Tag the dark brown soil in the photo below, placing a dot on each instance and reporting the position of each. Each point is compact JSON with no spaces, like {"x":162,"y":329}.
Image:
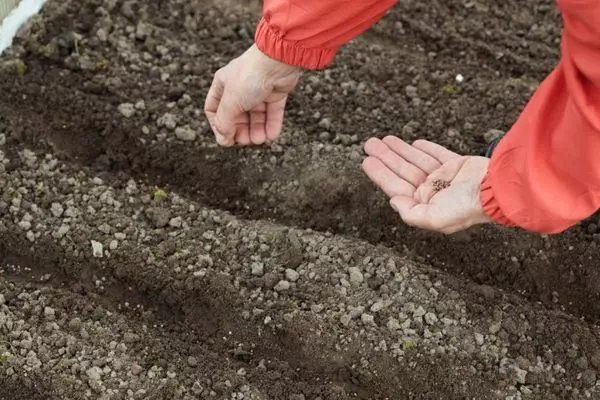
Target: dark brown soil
{"x":66,"y":105}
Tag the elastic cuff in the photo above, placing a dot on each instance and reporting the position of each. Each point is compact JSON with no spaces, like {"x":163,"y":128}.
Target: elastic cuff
{"x":490,"y":205}
{"x":269,"y":41}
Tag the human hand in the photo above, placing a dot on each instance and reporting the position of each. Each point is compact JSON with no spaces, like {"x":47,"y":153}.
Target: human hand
{"x":246,"y":101}
{"x":430,"y":186}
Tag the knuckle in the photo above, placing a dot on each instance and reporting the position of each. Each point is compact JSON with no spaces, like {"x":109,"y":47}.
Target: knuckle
{"x":219,"y":75}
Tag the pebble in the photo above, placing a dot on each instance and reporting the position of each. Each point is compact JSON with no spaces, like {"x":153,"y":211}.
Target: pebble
{"x":57,"y":209}
{"x":94,"y":373}
{"x":176,"y":222}
{"x":357,"y":312}
{"x":104,"y":228}
{"x":136,"y":369}
{"x":97,"y":249}
{"x":258,"y":269}
{"x":411,"y":91}
{"x":291,"y":275}
{"x":325,"y":123}
{"x":393,"y":324}
{"x":127,"y":110}
{"x":479,"y":339}
{"x":377,"y":306}
{"x":356,"y":276}
{"x":431,"y":318}
{"x":158,"y":216}
{"x":367,"y":319}
{"x":186,"y":134}
{"x":49,"y":312}
{"x":317,"y":308}
{"x":25,"y":225}
{"x":101,"y":35}
{"x":419,"y":312}
{"x":75,"y":324}
{"x":325,"y":136}
{"x":345,"y":319}
{"x":62,"y":231}
{"x":192,"y":361}
{"x":168,"y":120}
{"x":495,"y":328}
{"x":520,"y":374}
{"x":282,"y":286}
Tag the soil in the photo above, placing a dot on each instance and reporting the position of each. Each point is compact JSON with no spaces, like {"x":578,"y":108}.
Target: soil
{"x":138,"y":265}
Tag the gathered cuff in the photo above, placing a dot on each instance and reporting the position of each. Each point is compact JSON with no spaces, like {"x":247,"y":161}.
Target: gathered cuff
{"x":269,"y":40}
{"x":490,"y":204}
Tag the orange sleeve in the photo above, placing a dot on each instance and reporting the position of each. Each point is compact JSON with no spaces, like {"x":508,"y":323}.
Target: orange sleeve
{"x":309,"y":33}
{"x":544,"y":176}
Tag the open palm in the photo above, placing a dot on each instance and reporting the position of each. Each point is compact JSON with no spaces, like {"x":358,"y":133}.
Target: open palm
{"x":430,"y":186}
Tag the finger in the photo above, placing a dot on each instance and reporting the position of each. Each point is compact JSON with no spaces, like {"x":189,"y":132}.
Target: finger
{"x":274,"y":124}
{"x":411,"y":212}
{"x":390,"y":183}
{"x":213,"y":99}
{"x":242,"y":136}
{"x":405,"y":170}
{"x":225,"y":120}
{"x":258,"y":119}
{"x":412,"y":154}
{"x":440,"y":178}
{"x":436,"y":151}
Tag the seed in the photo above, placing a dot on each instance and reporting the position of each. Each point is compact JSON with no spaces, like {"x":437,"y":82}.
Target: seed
{"x":440,"y":184}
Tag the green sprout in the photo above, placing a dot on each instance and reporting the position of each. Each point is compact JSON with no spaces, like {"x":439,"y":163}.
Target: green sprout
{"x":408,"y":345}
{"x":451,"y":90}
{"x":159,"y":195}
{"x":20,"y":68}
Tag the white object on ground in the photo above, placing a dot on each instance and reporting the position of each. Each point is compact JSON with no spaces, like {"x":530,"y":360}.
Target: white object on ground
{"x":460,"y":78}
{"x":16,"y":19}
{"x":97,"y":249}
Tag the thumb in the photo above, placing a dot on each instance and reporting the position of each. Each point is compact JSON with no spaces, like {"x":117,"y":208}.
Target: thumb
{"x":422,"y":216}
{"x":225,"y":119}
{"x":410,"y":211}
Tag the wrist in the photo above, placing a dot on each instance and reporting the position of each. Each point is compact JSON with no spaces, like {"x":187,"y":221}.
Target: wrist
{"x":273,"y":68}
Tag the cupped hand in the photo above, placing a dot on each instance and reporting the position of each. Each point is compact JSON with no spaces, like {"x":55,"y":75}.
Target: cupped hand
{"x":431,"y":187}
{"x":246,"y":102}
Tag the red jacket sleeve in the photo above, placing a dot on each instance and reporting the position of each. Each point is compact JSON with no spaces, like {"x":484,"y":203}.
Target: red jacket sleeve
{"x":309,"y":33}
{"x":544,"y":176}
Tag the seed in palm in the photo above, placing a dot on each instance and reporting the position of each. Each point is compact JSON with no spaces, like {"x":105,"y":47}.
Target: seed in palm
{"x":440,"y":184}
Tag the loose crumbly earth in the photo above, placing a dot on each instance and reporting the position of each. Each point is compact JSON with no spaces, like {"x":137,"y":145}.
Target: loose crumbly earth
{"x":141,"y":261}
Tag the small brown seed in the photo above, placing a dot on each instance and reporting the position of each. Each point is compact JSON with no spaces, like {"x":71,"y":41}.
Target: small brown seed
{"x":440,"y":184}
